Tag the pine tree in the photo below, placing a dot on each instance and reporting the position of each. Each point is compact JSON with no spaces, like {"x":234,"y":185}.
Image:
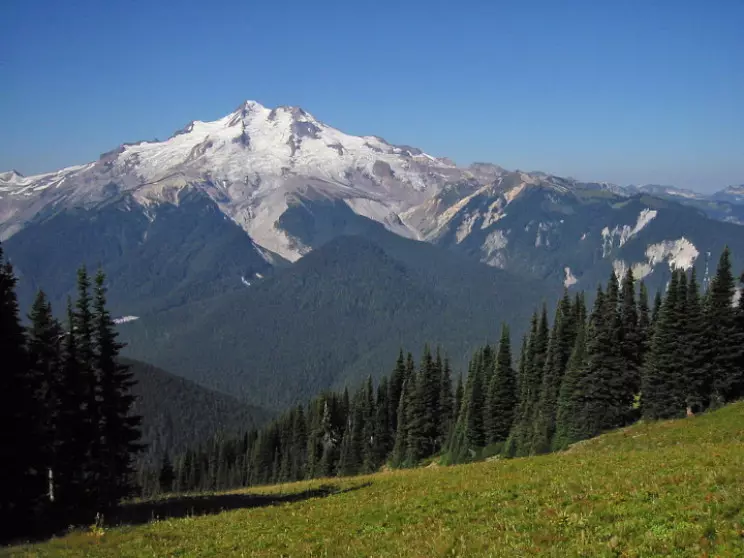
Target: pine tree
{"x":474,"y":401}
{"x":119,"y":428}
{"x":520,"y":438}
{"x":328,"y":441}
{"x":724,"y":338}
{"x":695,"y":350}
{"x":608,"y":393}
{"x":423,"y":411}
{"x":631,"y":340}
{"x":446,"y":404}
{"x":657,"y":308}
{"x":502,"y":392}
{"x":644,"y":326}
{"x":72,"y":430}
{"x":400,"y":448}
{"x":663,"y":394}
{"x":559,"y":351}
{"x":396,"y":386}
{"x":19,"y":473}
{"x":86,"y":358}
{"x":369,"y":412}
{"x":384,"y":437}
{"x":45,"y":374}
{"x":459,"y":395}
{"x":299,"y":445}
{"x":568,"y":428}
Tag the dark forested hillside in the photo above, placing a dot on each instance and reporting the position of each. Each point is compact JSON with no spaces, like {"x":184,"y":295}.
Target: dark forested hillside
{"x":154,"y":258}
{"x":178,"y":414}
{"x":333,"y":318}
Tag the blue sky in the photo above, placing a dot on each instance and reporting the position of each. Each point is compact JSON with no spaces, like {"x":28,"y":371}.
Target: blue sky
{"x":627,"y":91}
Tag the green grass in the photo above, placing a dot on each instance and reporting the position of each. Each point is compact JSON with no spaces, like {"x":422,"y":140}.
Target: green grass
{"x":664,"y":489}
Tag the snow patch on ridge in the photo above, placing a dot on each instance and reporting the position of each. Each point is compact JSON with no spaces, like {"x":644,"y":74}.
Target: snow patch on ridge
{"x":626,"y":232}
{"x":679,"y":254}
{"x":570,"y":278}
{"x":125,"y":319}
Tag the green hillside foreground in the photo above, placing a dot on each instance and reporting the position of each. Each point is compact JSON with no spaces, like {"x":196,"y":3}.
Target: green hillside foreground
{"x":662,"y":489}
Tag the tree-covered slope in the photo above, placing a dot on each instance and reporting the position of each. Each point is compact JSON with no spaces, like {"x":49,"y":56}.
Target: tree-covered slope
{"x":337,"y":315}
{"x":154,"y":257}
{"x":179,"y":414}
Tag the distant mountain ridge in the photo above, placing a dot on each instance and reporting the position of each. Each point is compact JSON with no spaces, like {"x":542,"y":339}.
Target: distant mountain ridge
{"x":220,"y":233}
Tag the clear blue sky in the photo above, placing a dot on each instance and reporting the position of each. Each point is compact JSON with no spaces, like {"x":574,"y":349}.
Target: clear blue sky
{"x":630,"y":91}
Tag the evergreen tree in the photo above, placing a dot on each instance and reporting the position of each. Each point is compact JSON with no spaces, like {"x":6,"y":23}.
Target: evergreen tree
{"x":396,"y":385}
{"x":400,"y":448}
{"x":19,"y":473}
{"x":72,"y":430}
{"x":631,"y":340}
{"x":384,"y":437}
{"x":559,"y":351}
{"x":328,"y":440}
{"x":502,"y":392}
{"x":369,"y":450}
{"x":119,"y":428}
{"x":724,"y":338}
{"x":663,"y":392}
{"x":520,"y":439}
{"x":644,"y":326}
{"x":86,"y":360}
{"x":167,"y":475}
{"x":657,"y":308}
{"x":695,"y":350}
{"x":474,"y":401}
{"x":608,"y":395}
{"x":446,"y":404}
{"x":459,"y":395}
{"x":568,"y":428}
{"x":299,"y":445}
{"x":423,"y":412}
{"x":45,"y":376}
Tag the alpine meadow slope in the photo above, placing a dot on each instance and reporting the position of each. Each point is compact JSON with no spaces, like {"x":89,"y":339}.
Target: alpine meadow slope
{"x":658,"y":489}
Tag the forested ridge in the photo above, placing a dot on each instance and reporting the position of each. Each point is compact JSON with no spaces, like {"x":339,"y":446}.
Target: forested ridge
{"x":586,"y":371}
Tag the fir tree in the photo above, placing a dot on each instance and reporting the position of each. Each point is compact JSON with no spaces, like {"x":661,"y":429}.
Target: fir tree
{"x":559,"y":351}
{"x":474,"y":401}
{"x":459,"y":395}
{"x":384,"y":437}
{"x":119,"y":428}
{"x":396,"y":385}
{"x":45,"y":375}
{"x":400,"y":449}
{"x":423,"y":411}
{"x":20,"y":476}
{"x":695,"y":350}
{"x":644,"y":326}
{"x":724,"y":338}
{"x":568,"y":428}
{"x":502,"y":392}
{"x":663,"y":395}
{"x":631,"y":340}
{"x":446,"y":403}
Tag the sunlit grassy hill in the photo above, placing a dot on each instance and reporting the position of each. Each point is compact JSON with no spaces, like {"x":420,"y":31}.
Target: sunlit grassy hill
{"x":672,"y":488}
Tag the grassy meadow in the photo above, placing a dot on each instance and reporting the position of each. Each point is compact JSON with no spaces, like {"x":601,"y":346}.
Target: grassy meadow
{"x":672,"y":488}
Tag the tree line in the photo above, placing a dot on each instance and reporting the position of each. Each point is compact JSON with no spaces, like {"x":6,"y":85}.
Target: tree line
{"x":68,"y":438}
{"x":585,"y":372}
